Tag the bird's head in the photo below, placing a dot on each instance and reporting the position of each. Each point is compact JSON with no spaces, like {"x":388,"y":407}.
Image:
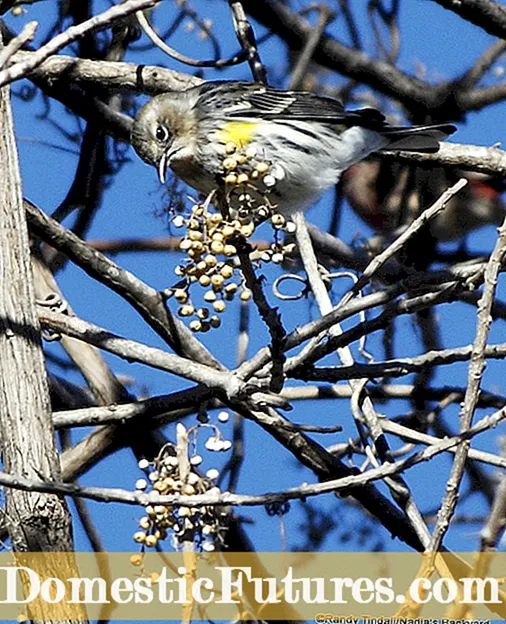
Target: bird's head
{"x":162,"y":131}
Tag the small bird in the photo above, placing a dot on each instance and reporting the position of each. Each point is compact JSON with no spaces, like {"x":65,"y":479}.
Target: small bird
{"x":306,"y":141}
{"x":388,"y":195}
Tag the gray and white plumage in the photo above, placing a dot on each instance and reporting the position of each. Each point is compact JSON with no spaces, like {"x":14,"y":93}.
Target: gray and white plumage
{"x":312,"y":138}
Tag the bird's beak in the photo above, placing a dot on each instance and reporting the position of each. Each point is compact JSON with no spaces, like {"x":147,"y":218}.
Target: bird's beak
{"x":165,"y":161}
{"x":162,"y":166}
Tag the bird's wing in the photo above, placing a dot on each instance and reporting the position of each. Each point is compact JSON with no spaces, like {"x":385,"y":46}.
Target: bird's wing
{"x":245,"y":99}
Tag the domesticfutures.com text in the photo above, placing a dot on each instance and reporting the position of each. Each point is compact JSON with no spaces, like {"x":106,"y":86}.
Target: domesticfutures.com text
{"x":235,"y":583}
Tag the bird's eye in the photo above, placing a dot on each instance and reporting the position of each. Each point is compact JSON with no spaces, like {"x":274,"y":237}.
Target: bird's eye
{"x":161,"y":134}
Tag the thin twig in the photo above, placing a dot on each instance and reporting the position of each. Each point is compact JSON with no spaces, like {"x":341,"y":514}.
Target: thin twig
{"x":97,"y":22}
{"x":397,"y":367}
{"x":476,"y":370}
{"x":146,"y":300}
{"x":270,"y":316}
{"x":325,"y":16}
{"x":415,"y":226}
{"x":404,"y":498}
{"x":137,"y":352}
{"x":182,"y":58}
{"x":246,"y":37}
{"x":226,"y":498}
{"x":26,"y":35}
{"x":482,"y":65}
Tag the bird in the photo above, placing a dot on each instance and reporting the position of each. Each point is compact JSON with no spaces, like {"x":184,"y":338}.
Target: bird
{"x":220,"y":133}
{"x":388,"y":195}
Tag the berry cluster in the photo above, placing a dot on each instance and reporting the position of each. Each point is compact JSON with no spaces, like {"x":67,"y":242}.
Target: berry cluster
{"x":211,"y":240}
{"x":201,"y":525}
{"x":212,"y":262}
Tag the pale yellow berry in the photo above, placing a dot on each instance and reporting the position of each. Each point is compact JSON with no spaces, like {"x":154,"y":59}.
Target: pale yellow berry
{"x":169,"y":482}
{"x":210,"y":296}
{"x":231,"y":288}
{"x":185,"y":244}
{"x":136,"y":560}
{"x":215,"y":321}
{"x":204,"y":280}
{"x":202,"y":313}
{"x":181,"y":295}
{"x":178,"y":221}
{"x":231,"y":178}
{"x":226,"y":271}
{"x":243,"y":178}
{"x":219,"y":306}
{"x":160,"y":510}
{"x":230,"y":148}
{"x":195,"y":326}
{"x":245,"y":295}
{"x":262,"y":167}
{"x":186,"y":310}
{"x":151,"y":540}
{"x":229,"y":163}
{"x":248,"y":229}
{"x":278,"y":220}
{"x":195,"y":235}
{"x":216,"y":218}
{"x":227,"y":231}
{"x":201,"y":266}
{"x":140,"y":537}
{"x":217,"y":247}
{"x":217,"y":281}
{"x":229,"y":250}
{"x":145,"y":522}
{"x":211,"y":260}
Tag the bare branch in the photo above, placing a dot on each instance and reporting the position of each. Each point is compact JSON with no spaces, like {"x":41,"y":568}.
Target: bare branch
{"x":97,"y":22}
{"x":491,"y":16}
{"x":476,"y":370}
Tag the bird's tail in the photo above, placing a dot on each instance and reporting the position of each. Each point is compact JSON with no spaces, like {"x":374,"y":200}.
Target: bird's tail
{"x":417,"y":138}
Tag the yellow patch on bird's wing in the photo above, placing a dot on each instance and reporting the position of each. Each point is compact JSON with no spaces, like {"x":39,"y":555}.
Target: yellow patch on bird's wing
{"x":238,"y":132}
